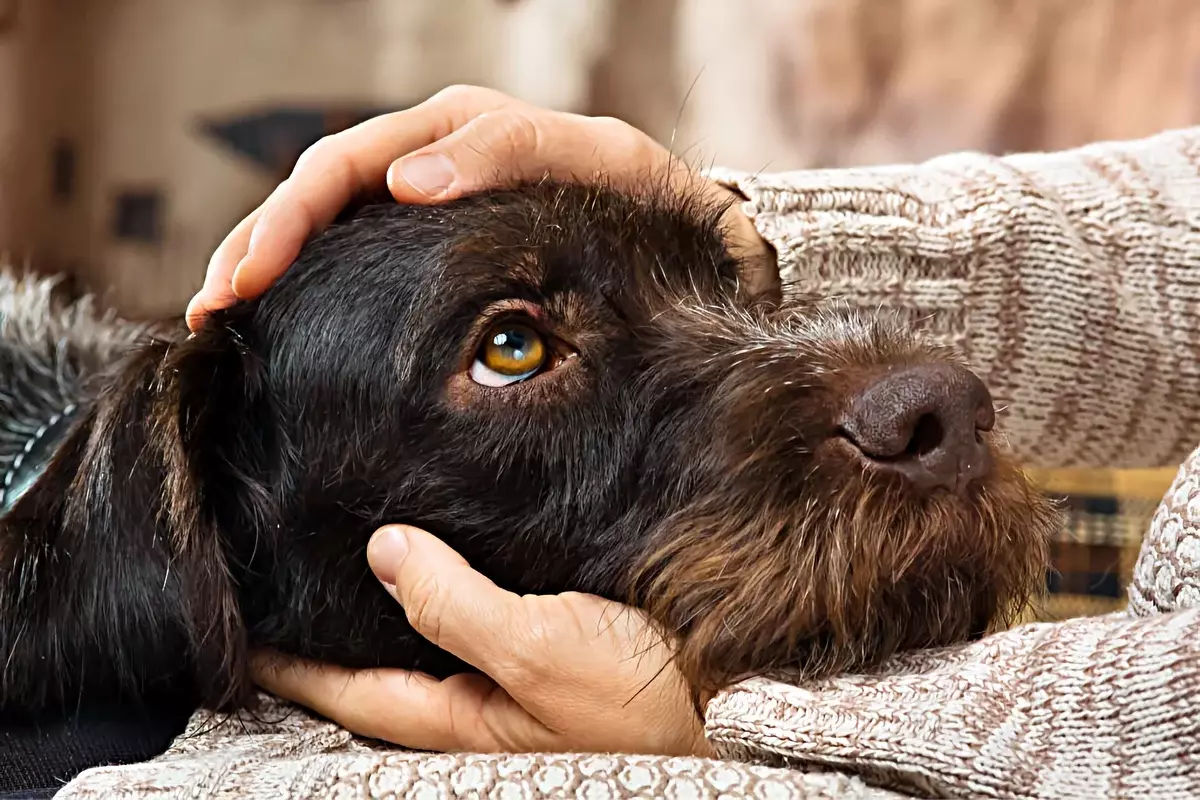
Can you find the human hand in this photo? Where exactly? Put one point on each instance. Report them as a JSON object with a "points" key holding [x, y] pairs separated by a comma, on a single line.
{"points": [[569, 672], [462, 140]]}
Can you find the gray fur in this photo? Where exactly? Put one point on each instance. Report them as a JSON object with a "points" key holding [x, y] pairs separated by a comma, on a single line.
{"points": [[46, 347]]}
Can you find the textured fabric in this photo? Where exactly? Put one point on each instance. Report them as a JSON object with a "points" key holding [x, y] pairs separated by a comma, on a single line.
{"points": [[292, 755], [1072, 281], [1167, 575], [49, 752], [1088, 708], [1093, 555]]}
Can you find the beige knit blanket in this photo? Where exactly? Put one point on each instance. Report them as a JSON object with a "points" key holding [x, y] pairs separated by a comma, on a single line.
{"points": [[1072, 282]]}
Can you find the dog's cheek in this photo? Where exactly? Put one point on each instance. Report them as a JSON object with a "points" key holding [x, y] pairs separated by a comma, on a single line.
{"points": [[721, 585]]}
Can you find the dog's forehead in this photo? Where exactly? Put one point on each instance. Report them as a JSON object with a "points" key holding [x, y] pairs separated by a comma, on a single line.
{"points": [[590, 258], [576, 244]]}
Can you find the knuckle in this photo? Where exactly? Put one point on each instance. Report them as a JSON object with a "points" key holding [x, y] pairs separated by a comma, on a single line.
{"points": [[611, 125], [626, 145], [461, 93], [514, 133], [423, 609], [323, 150]]}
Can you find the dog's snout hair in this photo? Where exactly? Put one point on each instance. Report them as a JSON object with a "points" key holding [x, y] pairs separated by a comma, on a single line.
{"points": [[571, 386], [792, 542]]}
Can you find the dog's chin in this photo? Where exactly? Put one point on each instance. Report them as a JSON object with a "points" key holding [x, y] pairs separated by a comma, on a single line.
{"points": [[842, 575]]}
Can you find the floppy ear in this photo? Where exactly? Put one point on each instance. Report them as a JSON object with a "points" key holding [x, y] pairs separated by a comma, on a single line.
{"points": [[209, 389], [150, 465]]}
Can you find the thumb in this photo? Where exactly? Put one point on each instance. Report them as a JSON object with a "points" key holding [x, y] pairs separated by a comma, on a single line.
{"points": [[494, 149], [446, 601]]}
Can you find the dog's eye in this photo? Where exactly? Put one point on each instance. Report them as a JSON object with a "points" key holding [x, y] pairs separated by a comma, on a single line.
{"points": [[510, 353]]}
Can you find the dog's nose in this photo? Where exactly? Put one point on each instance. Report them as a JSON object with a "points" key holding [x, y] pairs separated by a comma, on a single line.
{"points": [[926, 423]]}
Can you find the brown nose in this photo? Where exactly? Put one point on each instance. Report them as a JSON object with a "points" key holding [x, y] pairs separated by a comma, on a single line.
{"points": [[925, 423]]}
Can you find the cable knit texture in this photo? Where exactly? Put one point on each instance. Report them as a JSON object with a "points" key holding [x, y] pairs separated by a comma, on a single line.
{"points": [[1072, 281], [1167, 574]]}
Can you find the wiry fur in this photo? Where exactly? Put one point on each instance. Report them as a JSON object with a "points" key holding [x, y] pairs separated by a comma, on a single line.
{"points": [[219, 491], [48, 352], [793, 547]]}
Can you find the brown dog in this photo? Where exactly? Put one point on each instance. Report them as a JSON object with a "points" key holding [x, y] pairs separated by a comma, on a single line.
{"points": [[568, 385]]}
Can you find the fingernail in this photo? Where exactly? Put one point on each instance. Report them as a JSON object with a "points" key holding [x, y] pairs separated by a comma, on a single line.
{"points": [[239, 271], [429, 174], [195, 310], [386, 552]]}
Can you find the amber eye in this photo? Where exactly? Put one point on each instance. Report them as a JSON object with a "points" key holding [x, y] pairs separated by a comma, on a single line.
{"points": [[510, 352]]}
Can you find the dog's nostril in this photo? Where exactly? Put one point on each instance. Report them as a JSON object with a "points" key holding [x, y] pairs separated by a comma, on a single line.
{"points": [[926, 423], [927, 436]]}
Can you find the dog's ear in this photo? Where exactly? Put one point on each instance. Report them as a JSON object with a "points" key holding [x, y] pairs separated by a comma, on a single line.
{"points": [[209, 390], [157, 458]]}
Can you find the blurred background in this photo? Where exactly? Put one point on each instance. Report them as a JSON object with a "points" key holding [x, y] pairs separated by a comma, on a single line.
{"points": [[135, 133]]}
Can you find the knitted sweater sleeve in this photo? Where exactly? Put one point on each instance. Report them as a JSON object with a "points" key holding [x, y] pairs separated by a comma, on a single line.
{"points": [[1092, 707], [1070, 280]]}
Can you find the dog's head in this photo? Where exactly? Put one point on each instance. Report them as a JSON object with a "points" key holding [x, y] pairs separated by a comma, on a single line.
{"points": [[571, 388]]}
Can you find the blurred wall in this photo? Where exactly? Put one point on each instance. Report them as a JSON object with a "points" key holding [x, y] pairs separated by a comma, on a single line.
{"points": [[44, 98], [123, 85], [163, 64], [812, 83]]}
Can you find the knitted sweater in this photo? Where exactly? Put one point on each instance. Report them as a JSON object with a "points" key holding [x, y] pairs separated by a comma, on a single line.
{"points": [[1072, 283]]}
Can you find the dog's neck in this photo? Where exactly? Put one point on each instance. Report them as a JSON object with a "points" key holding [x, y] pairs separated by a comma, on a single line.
{"points": [[62, 709]]}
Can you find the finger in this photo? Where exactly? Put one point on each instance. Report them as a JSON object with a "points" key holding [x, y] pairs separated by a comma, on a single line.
{"points": [[339, 168], [450, 604], [326, 178], [463, 712], [217, 291], [517, 143]]}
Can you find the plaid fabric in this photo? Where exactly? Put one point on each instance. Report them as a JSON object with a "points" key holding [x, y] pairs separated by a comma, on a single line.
{"points": [[1093, 557]]}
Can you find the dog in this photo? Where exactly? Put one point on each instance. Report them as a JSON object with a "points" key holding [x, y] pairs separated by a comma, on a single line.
{"points": [[568, 383]]}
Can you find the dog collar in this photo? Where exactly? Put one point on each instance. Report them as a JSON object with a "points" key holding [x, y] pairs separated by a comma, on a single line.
{"points": [[30, 461]]}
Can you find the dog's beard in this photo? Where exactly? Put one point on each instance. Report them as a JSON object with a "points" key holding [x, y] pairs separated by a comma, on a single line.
{"points": [[791, 554], [840, 579]]}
